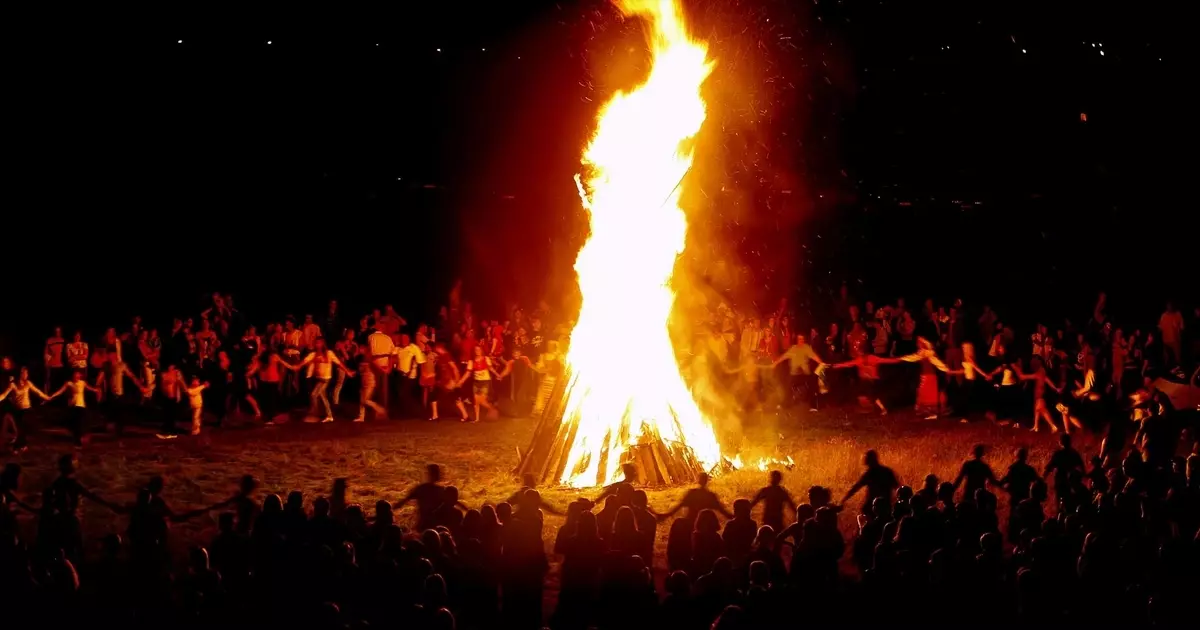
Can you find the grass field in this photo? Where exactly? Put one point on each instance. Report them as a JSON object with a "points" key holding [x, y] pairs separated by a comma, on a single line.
{"points": [[382, 461]]}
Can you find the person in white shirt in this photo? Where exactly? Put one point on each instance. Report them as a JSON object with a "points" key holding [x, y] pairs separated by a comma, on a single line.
{"points": [[381, 350], [322, 360], [195, 392], [293, 342], [409, 359], [310, 332]]}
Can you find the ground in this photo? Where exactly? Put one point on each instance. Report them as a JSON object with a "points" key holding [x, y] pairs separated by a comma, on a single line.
{"points": [[383, 460]]}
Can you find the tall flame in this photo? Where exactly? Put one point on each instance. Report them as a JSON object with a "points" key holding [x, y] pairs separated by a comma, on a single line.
{"points": [[627, 384]]}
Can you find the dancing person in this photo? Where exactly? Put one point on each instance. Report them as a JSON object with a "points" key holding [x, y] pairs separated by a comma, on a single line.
{"points": [[1041, 381], [879, 480], [323, 361], [366, 389], [480, 370], [409, 358], [20, 391], [929, 395], [774, 498], [170, 398], [976, 473], [347, 350], [77, 388], [195, 393], [867, 366], [973, 392], [800, 359], [382, 349]]}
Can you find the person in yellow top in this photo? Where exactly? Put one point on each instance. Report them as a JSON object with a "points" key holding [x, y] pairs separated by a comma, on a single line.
{"points": [[323, 360], [77, 388], [20, 390]]}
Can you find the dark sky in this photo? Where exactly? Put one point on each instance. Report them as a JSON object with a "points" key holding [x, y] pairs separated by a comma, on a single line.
{"points": [[374, 151]]}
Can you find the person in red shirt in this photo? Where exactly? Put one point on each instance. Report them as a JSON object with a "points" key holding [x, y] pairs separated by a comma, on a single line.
{"points": [[480, 370], [867, 366]]}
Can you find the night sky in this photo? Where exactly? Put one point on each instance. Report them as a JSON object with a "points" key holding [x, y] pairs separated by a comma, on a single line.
{"points": [[1011, 152]]}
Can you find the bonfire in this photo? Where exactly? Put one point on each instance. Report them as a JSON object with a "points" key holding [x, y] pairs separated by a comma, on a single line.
{"points": [[628, 402]]}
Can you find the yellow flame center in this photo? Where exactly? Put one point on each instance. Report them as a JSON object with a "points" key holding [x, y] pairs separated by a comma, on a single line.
{"points": [[628, 386]]}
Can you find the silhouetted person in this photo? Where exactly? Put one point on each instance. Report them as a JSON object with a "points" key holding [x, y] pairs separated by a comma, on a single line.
{"points": [[1017, 482], [879, 480], [739, 533], [774, 498], [698, 499], [428, 497], [975, 472], [1062, 462]]}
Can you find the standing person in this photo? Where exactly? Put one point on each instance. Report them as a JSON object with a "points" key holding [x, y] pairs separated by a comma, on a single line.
{"points": [[293, 342], [800, 358], [195, 392], [1041, 381], [310, 332], [447, 385], [77, 389], [774, 498], [1171, 326], [347, 350], [114, 403], [170, 398], [333, 319], [241, 385], [480, 370], [409, 358], [928, 392], [207, 343], [879, 480], [20, 392], [77, 353], [389, 322], [973, 391], [382, 349], [1062, 463], [152, 353], [1017, 482], [323, 361], [549, 367], [867, 366], [270, 387], [976, 472], [428, 376], [366, 389], [52, 354]]}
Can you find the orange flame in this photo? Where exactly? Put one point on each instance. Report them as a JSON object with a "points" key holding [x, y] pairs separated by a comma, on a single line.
{"points": [[629, 389]]}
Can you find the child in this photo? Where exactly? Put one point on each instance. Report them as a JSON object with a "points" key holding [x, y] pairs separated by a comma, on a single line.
{"points": [[195, 394]]}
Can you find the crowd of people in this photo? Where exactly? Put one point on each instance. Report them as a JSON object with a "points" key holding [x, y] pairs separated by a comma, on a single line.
{"points": [[218, 364], [1114, 543], [966, 367], [206, 369]]}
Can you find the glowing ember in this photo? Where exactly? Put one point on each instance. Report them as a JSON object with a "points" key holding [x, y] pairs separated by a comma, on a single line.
{"points": [[627, 386], [764, 464]]}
